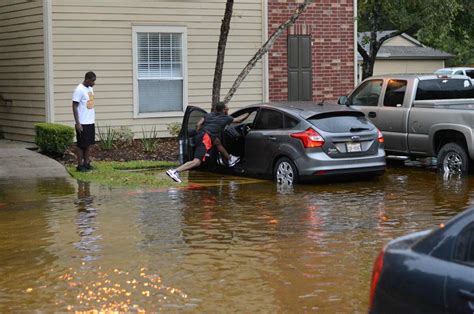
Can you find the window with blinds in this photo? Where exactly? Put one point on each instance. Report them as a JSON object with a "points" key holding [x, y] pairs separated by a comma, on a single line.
{"points": [[159, 71]]}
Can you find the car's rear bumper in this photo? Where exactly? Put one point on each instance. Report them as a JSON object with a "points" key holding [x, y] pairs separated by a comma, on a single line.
{"points": [[319, 164]]}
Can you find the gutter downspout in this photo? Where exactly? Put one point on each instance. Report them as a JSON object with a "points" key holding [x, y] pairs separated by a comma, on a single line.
{"points": [[356, 63], [48, 60], [266, 76]]}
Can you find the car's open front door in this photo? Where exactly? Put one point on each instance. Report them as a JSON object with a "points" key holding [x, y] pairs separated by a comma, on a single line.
{"points": [[188, 130]]}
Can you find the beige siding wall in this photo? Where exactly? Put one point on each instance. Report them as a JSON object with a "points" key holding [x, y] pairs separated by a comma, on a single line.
{"points": [[407, 66], [97, 35], [398, 41], [21, 68]]}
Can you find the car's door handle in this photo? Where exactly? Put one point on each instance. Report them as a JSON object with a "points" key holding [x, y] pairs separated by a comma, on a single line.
{"points": [[372, 114], [466, 294], [271, 138]]}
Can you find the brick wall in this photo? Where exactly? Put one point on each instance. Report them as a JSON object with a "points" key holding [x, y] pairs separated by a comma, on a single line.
{"points": [[331, 26]]}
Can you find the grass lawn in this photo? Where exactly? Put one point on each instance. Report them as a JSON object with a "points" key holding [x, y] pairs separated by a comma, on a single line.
{"points": [[115, 173]]}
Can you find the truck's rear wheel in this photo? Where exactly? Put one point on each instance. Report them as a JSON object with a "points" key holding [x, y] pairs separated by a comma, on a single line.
{"points": [[452, 158]]}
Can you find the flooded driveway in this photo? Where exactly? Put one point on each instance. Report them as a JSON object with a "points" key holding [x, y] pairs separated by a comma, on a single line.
{"points": [[222, 244]]}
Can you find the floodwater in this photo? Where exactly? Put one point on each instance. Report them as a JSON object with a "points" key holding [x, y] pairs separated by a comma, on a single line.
{"points": [[221, 244]]}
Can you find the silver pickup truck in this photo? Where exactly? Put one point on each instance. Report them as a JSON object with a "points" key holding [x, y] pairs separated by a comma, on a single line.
{"points": [[421, 116]]}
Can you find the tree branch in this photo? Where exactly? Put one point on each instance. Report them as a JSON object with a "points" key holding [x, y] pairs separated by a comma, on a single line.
{"points": [[362, 52], [388, 36], [225, 28], [265, 48]]}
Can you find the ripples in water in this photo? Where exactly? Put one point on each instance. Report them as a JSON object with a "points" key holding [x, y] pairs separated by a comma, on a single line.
{"points": [[220, 244]]}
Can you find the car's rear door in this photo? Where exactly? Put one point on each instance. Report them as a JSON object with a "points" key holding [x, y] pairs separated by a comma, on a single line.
{"points": [[263, 143], [261, 139], [460, 281], [188, 129]]}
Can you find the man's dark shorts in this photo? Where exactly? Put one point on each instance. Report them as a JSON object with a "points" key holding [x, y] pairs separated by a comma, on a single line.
{"points": [[86, 137], [203, 145]]}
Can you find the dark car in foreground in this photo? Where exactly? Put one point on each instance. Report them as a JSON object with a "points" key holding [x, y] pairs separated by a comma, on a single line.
{"points": [[427, 272], [295, 141]]}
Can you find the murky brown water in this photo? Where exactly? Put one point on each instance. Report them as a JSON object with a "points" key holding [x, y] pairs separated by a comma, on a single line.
{"points": [[223, 244]]}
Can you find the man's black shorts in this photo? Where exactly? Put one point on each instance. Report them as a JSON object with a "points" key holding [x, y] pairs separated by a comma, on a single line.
{"points": [[203, 145], [86, 137]]}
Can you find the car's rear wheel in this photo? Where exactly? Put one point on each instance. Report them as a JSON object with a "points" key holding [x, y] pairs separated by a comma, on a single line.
{"points": [[285, 172], [452, 158]]}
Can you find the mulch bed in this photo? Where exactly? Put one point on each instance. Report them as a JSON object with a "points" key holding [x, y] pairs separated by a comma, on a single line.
{"points": [[167, 150]]}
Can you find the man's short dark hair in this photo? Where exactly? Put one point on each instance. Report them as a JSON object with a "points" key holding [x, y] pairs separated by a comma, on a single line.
{"points": [[90, 76], [220, 106]]}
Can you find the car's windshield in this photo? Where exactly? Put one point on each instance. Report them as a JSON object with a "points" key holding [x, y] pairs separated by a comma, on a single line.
{"points": [[444, 72]]}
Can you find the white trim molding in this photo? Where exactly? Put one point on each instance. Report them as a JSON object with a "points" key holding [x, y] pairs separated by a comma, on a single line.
{"points": [[265, 76], [356, 62], [140, 28], [48, 60]]}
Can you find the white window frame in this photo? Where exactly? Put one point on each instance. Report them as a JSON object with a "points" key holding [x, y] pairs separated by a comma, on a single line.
{"points": [[159, 29]]}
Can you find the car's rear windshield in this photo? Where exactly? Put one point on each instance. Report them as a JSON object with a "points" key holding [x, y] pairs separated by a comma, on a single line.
{"points": [[444, 89], [340, 123]]}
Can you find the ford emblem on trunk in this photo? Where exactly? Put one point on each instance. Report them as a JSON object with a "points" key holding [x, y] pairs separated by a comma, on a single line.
{"points": [[355, 138]]}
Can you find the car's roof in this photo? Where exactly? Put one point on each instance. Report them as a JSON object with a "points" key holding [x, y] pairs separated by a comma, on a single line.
{"points": [[419, 76], [456, 68], [305, 109]]}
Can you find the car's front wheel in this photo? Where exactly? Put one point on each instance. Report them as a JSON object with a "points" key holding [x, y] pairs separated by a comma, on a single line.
{"points": [[452, 158], [285, 172]]}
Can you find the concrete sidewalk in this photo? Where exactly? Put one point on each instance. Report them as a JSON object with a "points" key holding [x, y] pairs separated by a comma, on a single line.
{"points": [[19, 162]]}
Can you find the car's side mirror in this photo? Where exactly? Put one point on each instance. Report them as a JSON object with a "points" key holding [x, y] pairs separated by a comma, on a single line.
{"points": [[343, 100]]}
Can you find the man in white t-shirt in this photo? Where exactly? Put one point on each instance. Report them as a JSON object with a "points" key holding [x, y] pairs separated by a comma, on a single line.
{"points": [[84, 116]]}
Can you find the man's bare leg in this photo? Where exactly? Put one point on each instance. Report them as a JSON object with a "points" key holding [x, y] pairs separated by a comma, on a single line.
{"points": [[87, 154], [189, 165], [221, 149], [80, 156]]}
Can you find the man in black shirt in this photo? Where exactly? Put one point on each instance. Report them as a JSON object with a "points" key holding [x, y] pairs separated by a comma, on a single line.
{"points": [[209, 130]]}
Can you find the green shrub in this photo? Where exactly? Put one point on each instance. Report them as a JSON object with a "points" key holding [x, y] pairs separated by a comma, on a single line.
{"points": [[149, 140], [125, 136], [174, 128], [53, 138], [107, 137]]}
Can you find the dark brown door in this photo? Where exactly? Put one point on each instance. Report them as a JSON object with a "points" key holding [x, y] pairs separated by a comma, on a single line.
{"points": [[299, 68]]}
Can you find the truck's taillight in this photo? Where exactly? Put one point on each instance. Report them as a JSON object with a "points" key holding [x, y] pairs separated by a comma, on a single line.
{"points": [[310, 138], [377, 270], [380, 137]]}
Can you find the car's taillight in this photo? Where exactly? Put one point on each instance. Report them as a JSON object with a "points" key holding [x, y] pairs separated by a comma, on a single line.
{"points": [[377, 270], [310, 138], [380, 137]]}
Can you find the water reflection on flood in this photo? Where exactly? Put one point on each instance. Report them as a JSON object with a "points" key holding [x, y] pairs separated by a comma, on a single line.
{"points": [[219, 244]]}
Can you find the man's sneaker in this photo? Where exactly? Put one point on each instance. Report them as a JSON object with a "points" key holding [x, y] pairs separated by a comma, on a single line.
{"points": [[233, 160], [173, 174], [88, 166], [82, 168]]}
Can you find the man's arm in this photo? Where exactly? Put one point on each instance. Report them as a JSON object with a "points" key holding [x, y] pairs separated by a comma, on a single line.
{"points": [[241, 118], [77, 125], [199, 124]]}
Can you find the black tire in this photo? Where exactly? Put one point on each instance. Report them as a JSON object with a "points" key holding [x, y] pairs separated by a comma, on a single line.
{"points": [[285, 172], [452, 158]]}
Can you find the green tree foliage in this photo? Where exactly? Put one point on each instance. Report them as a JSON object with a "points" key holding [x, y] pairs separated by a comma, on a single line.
{"points": [[405, 16], [458, 39]]}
